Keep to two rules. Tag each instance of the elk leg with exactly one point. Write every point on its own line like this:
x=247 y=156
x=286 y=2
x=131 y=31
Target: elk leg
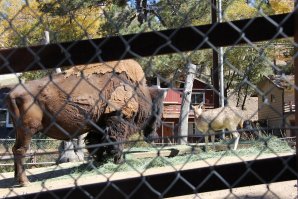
x=206 y=142
x=236 y=135
x=213 y=140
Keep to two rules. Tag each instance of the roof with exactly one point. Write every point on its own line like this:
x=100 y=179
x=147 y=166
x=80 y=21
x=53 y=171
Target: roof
x=282 y=81
x=9 y=79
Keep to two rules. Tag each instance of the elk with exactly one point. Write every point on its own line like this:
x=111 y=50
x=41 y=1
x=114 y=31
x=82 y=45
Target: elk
x=207 y=122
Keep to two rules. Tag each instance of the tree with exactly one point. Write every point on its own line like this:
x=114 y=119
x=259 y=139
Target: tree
x=25 y=22
x=245 y=67
x=282 y=6
x=246 y=64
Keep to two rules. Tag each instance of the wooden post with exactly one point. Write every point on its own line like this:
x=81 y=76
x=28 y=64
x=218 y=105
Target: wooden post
x=47 y=41
x=47 y=37
x=185 y=105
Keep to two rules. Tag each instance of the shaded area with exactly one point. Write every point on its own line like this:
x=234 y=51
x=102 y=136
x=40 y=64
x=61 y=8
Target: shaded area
x=47 y=175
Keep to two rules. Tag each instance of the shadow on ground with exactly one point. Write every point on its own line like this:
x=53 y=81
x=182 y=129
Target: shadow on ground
x=10 y=182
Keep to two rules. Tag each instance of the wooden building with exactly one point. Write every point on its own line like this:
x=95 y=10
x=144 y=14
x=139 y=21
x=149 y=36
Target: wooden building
x=5 y=121
x=201 y=92
x=276 y=103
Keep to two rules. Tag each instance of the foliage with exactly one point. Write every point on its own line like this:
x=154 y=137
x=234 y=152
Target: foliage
x=121 y=21
x=282 y=6
x=262 y=146
x=181 y=13
x=245 y=67
x=168 y=14
x=239 y=9
x=20 y=23
x=35 y=75
x=23 y=23
x=82 y=23
x=64 y=7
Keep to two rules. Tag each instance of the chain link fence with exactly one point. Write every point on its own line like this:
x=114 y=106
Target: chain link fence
x=151 y=99
x=41 y=152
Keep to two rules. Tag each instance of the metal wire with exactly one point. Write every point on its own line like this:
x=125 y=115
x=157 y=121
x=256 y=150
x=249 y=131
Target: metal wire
x=114 y=113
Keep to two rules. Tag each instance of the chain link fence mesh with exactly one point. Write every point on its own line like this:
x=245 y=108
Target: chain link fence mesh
x=151 y=99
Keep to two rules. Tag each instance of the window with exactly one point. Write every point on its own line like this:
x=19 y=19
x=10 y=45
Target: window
x=5 y=120
x=265 y=99
x=197 y=97
x=2 y=117
x=273 y=98
x=8 y=120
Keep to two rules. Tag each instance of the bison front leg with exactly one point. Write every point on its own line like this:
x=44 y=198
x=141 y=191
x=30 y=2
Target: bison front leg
x=117 y=151
x=117 y=131
x=116 y=148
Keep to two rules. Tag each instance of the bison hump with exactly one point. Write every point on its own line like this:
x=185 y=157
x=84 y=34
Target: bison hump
x=132 y=69
x=123 y=99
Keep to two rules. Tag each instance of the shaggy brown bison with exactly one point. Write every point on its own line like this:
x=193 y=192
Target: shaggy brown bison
x=110 y=101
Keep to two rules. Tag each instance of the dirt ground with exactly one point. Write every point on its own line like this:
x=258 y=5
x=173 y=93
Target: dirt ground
x=280 y=190
x=56 y=177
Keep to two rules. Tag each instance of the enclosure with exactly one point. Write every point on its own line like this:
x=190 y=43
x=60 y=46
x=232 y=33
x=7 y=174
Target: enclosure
x=125 y=75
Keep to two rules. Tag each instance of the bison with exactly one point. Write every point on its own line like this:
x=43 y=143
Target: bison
x=109 y=101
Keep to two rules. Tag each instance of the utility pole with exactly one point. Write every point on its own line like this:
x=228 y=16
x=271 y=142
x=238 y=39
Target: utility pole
x=215 y=78
x=221 y=68
x=296 y=75
x=219 y=98
x=217 y=72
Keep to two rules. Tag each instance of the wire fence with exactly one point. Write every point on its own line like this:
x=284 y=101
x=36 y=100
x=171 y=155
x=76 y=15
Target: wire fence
x=148 y=99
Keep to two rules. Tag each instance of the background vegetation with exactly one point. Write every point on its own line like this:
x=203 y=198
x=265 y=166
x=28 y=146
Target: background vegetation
x=22 y=23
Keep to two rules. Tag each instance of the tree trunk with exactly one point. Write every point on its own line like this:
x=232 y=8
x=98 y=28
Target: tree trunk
x=245 y=96
x=185 y=105
x=238 y=96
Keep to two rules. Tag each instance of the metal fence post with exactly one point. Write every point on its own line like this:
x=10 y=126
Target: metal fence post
x=296 y=77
